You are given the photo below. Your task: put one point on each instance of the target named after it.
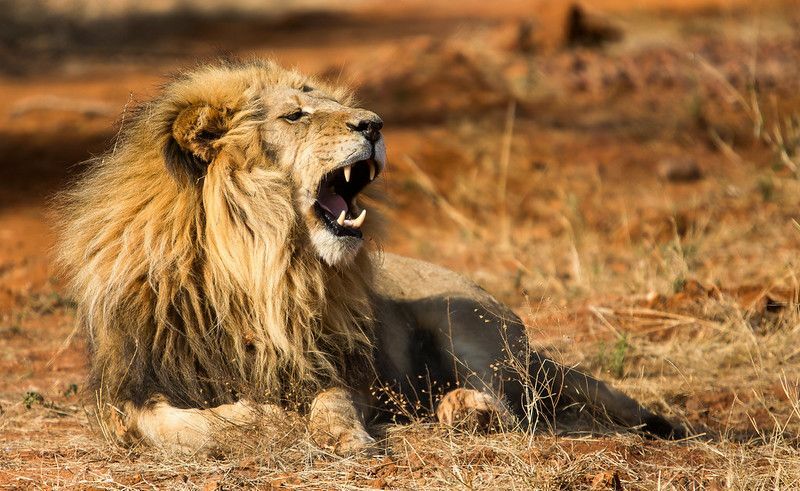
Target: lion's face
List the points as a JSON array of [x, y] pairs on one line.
[[332, 152], [329, 150]]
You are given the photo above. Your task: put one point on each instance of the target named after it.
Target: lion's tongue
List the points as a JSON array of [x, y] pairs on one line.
[[332, 202]]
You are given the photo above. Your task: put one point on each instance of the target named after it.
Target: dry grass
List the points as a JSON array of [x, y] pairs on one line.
[[425, 456]]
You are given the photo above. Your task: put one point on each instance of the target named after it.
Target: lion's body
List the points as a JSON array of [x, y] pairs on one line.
[[208, 269], [435, 325], [437, 330]]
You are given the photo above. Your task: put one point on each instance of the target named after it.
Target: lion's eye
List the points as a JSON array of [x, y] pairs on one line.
[[294, 116]]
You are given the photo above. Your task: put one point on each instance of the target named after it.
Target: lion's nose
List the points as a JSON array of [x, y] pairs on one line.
[[371, 128]]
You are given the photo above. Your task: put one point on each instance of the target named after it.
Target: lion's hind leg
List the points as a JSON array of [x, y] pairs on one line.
[[563, 387], [474, 409], [190, 431]]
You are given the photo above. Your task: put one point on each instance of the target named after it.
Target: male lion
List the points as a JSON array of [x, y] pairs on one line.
[[216, 255]]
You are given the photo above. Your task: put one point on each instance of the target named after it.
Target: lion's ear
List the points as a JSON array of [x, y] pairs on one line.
[[191, 147]]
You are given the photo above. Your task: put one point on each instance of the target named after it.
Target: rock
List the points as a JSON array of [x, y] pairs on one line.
[[679, 170], [589, 28]]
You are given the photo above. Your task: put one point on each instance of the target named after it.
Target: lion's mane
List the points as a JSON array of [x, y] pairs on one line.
[[203, 287]]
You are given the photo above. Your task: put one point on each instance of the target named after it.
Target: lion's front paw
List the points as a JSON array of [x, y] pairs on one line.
[[473, 409], [352, 441], [356, 441], [335, 424]]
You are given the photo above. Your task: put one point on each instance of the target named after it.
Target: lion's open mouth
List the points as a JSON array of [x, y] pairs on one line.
[[336, 197]]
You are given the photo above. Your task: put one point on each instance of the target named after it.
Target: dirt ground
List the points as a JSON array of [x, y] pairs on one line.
[[626, 177]]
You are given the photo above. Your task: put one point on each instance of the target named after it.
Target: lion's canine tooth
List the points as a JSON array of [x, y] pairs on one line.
[[371, 171], [356, 223], [347, 173], [340, 220]]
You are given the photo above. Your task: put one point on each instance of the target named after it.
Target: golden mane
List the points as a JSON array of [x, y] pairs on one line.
[[183, 286]]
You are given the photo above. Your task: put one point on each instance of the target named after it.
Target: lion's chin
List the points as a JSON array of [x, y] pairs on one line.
[[335, 250]]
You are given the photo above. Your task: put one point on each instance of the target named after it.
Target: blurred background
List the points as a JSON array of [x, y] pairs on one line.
[[623, 173]]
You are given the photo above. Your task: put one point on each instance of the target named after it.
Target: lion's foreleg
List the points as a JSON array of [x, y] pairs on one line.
[[162, 425], [336, 423]]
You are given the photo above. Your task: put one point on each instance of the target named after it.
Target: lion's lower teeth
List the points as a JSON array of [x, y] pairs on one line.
[[356, 222]]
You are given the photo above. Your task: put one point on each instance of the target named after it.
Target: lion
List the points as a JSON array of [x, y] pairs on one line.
[[226, 267]]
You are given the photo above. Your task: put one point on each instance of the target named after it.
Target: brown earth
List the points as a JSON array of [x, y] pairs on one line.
[[633, 192]]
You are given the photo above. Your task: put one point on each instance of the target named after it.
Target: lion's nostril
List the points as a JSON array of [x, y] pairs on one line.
[[369, 127], [361, 126]]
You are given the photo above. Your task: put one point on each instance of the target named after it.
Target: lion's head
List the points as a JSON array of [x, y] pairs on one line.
[[218, 246], [309, 130]]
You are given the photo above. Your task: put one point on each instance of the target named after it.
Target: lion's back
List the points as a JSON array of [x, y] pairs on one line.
[[406, 279]]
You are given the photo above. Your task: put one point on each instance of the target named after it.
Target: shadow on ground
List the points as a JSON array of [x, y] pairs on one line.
[[33, 166]]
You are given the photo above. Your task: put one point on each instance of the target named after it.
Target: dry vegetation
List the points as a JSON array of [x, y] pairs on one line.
[[636, 201]]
